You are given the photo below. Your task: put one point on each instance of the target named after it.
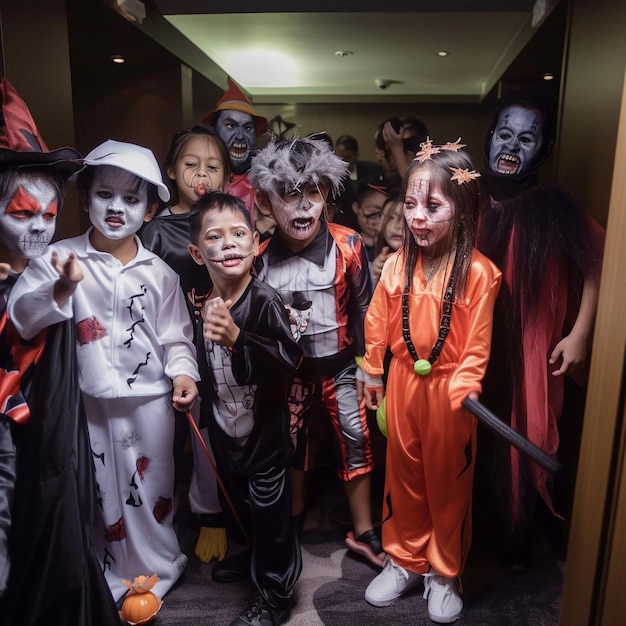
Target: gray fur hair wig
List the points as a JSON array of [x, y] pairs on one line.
[[288, 164]]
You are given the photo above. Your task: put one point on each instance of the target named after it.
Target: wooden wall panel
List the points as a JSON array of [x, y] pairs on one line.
[[597, 544]]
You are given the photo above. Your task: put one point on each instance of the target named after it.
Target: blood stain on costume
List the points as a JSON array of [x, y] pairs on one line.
[[143, 463], [162, 508], [115, 532], [89, 330]]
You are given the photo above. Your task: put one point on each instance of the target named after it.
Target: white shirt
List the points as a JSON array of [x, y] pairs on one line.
[[233, 408], [133, 331]]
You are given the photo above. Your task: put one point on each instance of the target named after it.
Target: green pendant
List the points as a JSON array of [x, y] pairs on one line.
[[422, 367]]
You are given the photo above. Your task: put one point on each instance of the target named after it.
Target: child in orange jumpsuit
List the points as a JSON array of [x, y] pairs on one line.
[[433, 308]]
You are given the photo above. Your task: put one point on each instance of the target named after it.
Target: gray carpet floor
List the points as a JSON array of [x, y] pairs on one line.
[[333, 581]]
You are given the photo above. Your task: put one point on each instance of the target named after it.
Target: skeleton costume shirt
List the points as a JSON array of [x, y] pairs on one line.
[[326, 289], [244, 406]]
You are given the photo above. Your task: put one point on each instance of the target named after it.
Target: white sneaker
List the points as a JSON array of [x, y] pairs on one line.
[[391, 583], [444, 597]]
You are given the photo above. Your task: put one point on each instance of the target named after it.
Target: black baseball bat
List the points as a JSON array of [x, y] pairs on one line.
[[493, 422]]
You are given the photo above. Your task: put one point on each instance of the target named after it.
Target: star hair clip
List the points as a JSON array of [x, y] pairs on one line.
[[427, 150], [453, 146], [463, 175]]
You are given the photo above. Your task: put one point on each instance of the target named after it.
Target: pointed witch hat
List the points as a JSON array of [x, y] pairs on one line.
[[21, 145], [235, 100]]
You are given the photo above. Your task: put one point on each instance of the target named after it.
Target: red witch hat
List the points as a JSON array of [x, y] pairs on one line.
[[21, 145], [235, 100]]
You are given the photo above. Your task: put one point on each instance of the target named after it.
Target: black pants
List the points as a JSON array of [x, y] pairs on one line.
[[263, 504]]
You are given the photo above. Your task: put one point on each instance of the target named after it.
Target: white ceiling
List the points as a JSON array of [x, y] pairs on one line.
[[279, 54]]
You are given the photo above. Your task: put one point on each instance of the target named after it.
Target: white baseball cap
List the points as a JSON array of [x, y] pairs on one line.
[[130, 157]]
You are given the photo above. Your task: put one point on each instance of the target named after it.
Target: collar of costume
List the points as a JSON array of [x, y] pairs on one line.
[[316, 252], [502, 187]]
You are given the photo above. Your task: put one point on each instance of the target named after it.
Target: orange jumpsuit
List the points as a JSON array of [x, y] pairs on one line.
[[431, 443]]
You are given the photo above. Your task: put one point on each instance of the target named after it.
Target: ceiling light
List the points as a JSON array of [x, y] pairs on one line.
[[343, 53], [256, 67], [442, 53], [548, 76], [118, 58]]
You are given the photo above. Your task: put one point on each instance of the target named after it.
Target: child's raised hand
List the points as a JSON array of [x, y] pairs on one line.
[[392, 137], [5, 268], [70, 274], [185, 393], [572, 351], [69, 269], [218, 324]]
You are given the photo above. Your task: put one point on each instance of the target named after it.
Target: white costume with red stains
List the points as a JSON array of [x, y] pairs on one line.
[[134, 335]]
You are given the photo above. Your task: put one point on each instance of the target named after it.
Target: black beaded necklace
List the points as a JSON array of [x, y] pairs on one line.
[[423, 367]]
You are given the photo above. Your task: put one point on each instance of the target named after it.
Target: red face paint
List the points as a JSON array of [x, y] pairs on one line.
[[28, 221], [23, 205]]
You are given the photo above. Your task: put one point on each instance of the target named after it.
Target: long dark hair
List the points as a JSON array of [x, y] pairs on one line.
[[465, 197]]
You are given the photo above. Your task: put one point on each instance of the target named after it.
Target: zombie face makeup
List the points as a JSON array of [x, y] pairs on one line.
[[226, 245], [297, 214], [516, 140], [428, 212], [237, 130], [28, 217], [198, 169], [118, 201]]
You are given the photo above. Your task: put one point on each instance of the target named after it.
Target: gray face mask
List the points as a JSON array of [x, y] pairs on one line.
[[237, 130], [516, 140]]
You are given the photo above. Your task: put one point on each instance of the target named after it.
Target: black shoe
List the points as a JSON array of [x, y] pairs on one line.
[[233, 568], [260, 613]]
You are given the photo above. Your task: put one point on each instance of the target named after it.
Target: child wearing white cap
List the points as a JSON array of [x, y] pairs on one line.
[[135, 354]]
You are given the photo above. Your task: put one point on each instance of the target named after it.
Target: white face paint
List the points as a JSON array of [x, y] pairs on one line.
[[28, 216], [226, 244], [428, 213], [118, 201], [516, 140], [297, 214]]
